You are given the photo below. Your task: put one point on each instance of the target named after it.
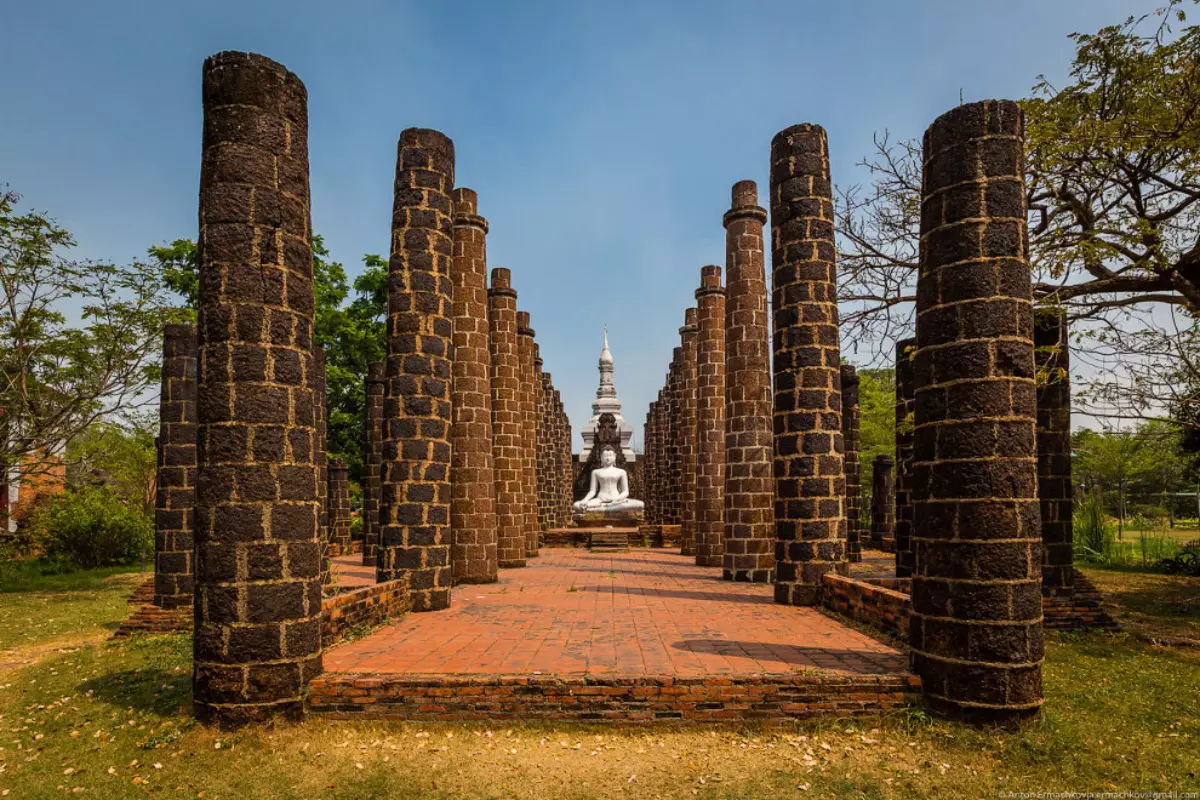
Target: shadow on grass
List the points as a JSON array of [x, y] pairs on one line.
[[46, 576], [159, 690]]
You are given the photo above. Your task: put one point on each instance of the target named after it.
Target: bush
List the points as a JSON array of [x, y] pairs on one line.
[[1093, 535], [92, 527], [1185, 562]]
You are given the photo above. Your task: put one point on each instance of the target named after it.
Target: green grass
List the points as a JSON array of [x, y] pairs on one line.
[[113, 719], [1149, 602]]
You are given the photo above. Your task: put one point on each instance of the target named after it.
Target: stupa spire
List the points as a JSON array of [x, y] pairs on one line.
[[606, 402]]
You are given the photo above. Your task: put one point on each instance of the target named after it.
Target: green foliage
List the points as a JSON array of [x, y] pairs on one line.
[[877, 420], [91, 526], [179, 264], [124, 458], [1185, 562], [1093, 534]]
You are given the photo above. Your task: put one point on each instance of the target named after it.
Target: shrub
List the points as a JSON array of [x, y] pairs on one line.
[[1185, 562], [1093, 532], [92, 527]]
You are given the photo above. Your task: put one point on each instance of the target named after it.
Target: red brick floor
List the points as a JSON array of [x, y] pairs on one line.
[[643, 613], [349, 572]]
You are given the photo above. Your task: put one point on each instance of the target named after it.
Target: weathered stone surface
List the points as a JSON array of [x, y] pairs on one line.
[[376, 388], [976, 625], [472, 469], [414, 513], [710, 419], [320, 387], [175, 497], [686, 431], [507, 436], [850, 424], [339, 507], [905, 389], [257, 508], [749, 488], [527, 398], [883, 503], [1052, 357], [810, 482]]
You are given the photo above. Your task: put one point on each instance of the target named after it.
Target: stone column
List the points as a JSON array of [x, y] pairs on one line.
[[373, 458], [506, 421], [662, 466], [850, 439], [527, 398], [648, 464], [976, 623], [810, 483], [883, 503], [414, 508], [1053, 360], [339, 507], [905, 388], [675, 448], [710, 419], [544, 423], [566, 481], [320, 386], [688, 446], [749, 487], [175, 499], [472, 470], [258, 590]]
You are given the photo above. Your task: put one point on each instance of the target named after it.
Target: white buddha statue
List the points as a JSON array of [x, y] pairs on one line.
[[609, 490]]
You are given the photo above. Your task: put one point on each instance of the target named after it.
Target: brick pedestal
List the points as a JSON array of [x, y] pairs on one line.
[[527, 399], [810, 484], [339, 507], [258, 592], [976, 626], [506, 421], [373, 459], [749, 488], [710, 419], [414, 513], [883, 504], [1053, 360], [850, 440], [472, 476], [905, 389], [175, 499]]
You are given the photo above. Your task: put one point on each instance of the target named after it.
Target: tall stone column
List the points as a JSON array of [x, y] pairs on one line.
[[675, 428], [883, 503], [651, 498], [1053, 360], [258, 590], [850, 439], [373, 459], [544, 423], [810, 483], [320, 386], [506, 421], [749, 487], [905, 389], [566, 481], [527, 397], [472, 470], [976, 623], [414, 509], [339, 507], [710, 419], [175, 499], [688, 446]]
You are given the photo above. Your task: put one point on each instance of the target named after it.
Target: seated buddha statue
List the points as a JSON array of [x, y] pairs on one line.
[[608, 492]]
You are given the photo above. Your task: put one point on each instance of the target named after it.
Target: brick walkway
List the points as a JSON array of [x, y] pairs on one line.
[[644, 613], [349, 572]]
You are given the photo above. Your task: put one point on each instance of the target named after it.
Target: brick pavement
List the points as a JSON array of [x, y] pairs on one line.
[[645, 613]]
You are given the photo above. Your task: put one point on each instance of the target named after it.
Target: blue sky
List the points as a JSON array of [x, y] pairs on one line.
[[602, 137]]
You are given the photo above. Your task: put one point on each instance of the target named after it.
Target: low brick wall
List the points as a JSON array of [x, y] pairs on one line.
[[151, 619], [868, 602], [368, 606], [1078, 609], [622, 701]]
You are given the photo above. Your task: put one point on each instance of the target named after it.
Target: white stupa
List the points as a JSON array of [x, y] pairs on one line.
[[607, 403]]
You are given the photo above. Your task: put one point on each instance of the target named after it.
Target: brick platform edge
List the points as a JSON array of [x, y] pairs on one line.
[[151, 619], [621, 701], [367, 607], [644, 536], [885, 604]]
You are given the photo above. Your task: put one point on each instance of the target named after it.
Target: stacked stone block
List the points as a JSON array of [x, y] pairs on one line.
[[339, 507], [710, 419], [749, 489], [686, 431], [850, 440], [976, 625], [527, 399], [473, 554], [905, 389], [1052, 358], [566, 470], [673, 456], [258, 591], [373, 459], [810, 483], [651, 498], [414, 514], [544, 430], [883, 503], [175, 498], [322, 458], [507, 438]]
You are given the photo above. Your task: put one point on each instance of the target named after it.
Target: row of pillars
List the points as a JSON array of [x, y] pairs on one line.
[[976, 501], [467, 452]]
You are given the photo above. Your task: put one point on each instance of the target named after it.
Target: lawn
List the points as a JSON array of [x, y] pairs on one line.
[[1151, 603], [111, 720]]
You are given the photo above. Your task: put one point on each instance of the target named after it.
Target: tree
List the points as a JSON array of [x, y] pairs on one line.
[[123, 457], [1113, 180], [78, 340], [352, 333], [876, 421], [1119, 458]]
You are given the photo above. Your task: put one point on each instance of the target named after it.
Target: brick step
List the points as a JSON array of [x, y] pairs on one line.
[[639, 700], [153, 619], [618, 541]]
